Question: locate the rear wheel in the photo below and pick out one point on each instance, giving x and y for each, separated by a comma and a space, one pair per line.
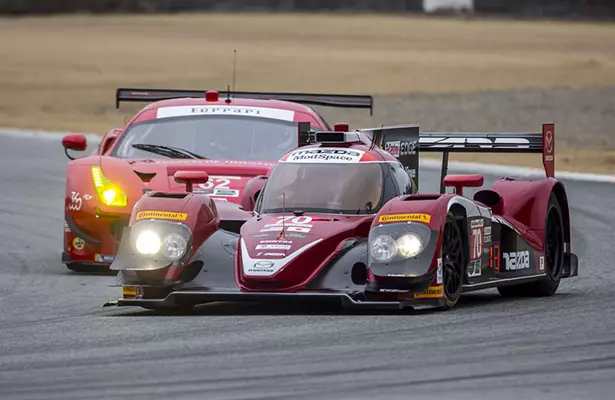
452, 262
554, 258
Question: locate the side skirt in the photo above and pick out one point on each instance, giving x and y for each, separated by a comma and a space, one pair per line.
502, 282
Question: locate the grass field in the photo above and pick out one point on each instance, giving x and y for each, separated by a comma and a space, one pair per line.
60, 73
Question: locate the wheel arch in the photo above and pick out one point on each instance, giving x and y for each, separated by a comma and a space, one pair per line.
560, 193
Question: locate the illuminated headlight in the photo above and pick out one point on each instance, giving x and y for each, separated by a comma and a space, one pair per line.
148, 243
384, 248
174, 246
409, 245
161, 240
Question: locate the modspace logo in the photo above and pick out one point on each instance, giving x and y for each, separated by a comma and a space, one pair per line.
326, 155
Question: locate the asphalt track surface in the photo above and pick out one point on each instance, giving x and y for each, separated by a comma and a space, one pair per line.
56, 342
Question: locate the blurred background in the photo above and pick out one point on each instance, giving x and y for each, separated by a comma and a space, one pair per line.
506, 65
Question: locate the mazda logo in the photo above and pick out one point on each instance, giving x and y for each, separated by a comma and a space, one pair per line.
263, 264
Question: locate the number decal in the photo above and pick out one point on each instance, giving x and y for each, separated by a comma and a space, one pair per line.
75, 202
290, 224
477, 243
216, 183
302, 220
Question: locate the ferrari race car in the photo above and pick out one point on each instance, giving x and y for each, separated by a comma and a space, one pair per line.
341, 217
234, 138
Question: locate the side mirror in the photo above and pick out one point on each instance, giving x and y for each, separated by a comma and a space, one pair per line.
108, 140
74, 141
252, 191
461, 181
190, 178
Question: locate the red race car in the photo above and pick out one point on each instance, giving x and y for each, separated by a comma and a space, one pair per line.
342, 219
234, 137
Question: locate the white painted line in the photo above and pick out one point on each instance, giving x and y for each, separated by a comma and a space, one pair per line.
431, 164
44, 135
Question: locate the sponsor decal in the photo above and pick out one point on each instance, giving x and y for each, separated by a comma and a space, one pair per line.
408, 148
517, 260
410, 171
477, 223
439, 277
76, 200
262, 266
487, 239
78, 243
273, 247
475, 269
276, 241
220, 199
66, 228
328, 155
130, 291
483, 142
405, 217
432, 292
290, 224
549, 145
292, 235
397, 276
103, 258
393, 148
542, 263
261, 254
487, 230
477, 243
175, 216
182, 111
261, 235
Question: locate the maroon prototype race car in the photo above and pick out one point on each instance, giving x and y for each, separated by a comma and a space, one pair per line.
233, 137
341, 217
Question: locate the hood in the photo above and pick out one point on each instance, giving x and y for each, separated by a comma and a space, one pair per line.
227, 178
285, 251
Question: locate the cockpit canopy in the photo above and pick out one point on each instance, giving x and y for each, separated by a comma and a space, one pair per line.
328, 185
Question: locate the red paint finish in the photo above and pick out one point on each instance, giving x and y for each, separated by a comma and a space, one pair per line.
332, 229
461, 181
525, 205
97, 219
75, 141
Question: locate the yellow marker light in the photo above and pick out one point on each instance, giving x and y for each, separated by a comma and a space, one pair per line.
107, 192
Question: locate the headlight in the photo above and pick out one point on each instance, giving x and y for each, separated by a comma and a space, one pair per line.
148, 243
174, 246
160, 239
384, 247
409, 245
108, 193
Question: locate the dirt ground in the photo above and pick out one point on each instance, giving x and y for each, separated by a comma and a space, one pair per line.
60, 73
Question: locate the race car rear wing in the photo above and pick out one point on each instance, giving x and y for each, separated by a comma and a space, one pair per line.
402, 143
491, 142
330, 100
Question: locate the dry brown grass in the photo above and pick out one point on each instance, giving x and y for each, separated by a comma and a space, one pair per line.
60, 73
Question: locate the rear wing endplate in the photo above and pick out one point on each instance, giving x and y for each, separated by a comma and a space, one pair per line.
330, 100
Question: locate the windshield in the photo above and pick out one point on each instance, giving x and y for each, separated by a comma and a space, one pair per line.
222, 137
353, 188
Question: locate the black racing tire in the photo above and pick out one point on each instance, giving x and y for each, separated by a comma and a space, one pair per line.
453, 262
554, 258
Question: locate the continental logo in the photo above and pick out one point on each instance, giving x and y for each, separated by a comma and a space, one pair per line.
175, 216
432, 292
405, 217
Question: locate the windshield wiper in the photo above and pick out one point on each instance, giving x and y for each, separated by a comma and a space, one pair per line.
168, 151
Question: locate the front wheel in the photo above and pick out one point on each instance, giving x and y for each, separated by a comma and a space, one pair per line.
452, 262
554, 258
